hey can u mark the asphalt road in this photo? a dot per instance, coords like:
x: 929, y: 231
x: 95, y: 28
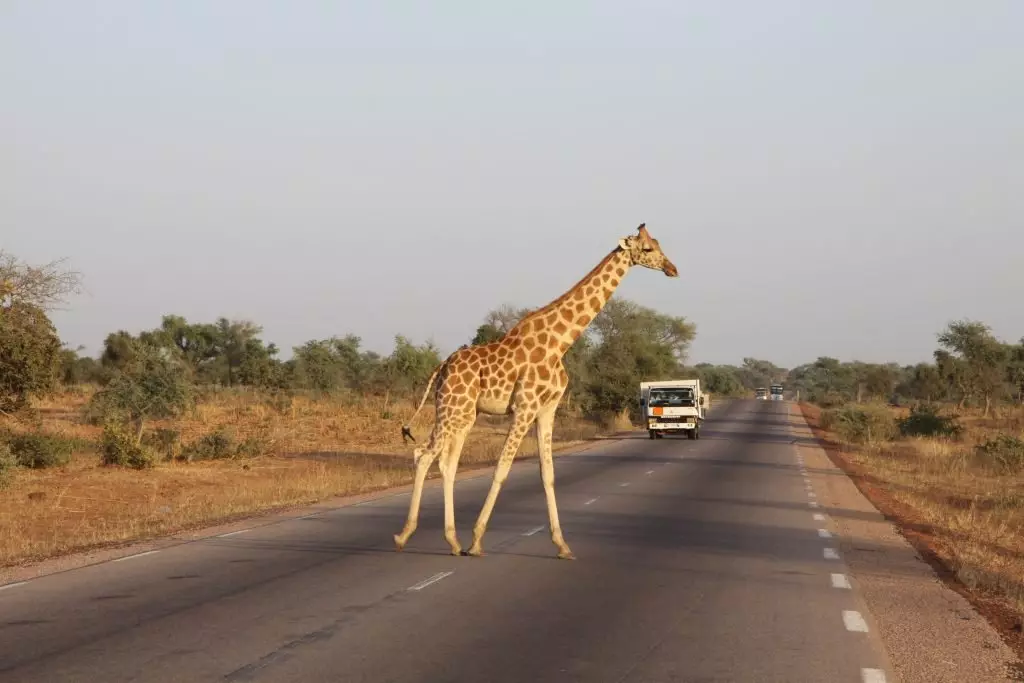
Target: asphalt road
x: 697, y: 561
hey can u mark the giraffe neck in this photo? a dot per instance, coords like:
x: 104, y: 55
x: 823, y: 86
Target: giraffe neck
x: 568, y: 316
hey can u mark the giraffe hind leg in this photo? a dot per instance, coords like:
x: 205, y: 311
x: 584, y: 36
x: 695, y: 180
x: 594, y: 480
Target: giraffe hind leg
x: 424, y: 458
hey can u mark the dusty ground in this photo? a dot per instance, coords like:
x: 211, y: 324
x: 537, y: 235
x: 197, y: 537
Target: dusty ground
x: 929, y: 626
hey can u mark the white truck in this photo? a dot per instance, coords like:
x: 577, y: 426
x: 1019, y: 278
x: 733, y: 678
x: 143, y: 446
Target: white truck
x: 673, y: 405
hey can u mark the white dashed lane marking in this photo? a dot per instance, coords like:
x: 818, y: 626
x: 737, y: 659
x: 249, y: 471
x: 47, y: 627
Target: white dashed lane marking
x: 831, y: 554
x: 430, y: 581
x: 840, y: 581
x: 625, y: 483
x: 813, y: 504
x: 591, y: 501
x: 872, y: 676
x: 649, y: 472
x: 132, y: 557
x: 854, y: 621
x: 824, y: 533
x: 534, y: 530
x: 818, y: 517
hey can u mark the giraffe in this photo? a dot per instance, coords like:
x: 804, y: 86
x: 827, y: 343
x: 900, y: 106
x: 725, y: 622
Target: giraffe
x: 521, y: 375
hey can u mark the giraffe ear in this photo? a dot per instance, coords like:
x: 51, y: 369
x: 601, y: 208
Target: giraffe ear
x: 623, y: 244
x: 645, y: 237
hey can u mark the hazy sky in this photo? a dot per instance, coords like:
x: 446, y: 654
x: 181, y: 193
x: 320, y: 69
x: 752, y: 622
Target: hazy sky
x: 830, y: 178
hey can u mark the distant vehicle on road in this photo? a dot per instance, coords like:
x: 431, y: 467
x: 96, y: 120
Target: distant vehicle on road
x: 776, y: 392
x: 761, y: 393
x: 673, y: 405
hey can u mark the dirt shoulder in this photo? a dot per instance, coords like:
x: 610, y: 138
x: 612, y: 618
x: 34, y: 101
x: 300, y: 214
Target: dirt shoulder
x: 927, y: 623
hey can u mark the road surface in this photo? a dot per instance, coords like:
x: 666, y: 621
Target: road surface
x: 697, y: 561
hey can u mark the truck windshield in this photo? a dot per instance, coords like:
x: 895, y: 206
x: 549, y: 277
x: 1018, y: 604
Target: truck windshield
x: 776, y: 390
x: 671, y: 397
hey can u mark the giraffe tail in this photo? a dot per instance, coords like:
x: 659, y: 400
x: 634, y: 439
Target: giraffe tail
x: 406, y: 431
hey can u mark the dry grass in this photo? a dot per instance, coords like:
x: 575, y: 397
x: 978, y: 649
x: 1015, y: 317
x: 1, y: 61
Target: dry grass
x: 971, y: 514
x: 321, y: 448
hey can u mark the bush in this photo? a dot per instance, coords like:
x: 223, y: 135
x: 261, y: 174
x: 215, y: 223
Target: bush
x: 166, y: 442
x: 861, y: 424
x: 217, y: 445
x: 925, y: 420
x: 119, y: 447
x: 7, y: 464
x: 1005, y: 452
x: 39, y: 450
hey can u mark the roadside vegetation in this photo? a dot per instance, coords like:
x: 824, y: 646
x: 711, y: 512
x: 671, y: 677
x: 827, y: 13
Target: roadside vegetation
x: 939, y: 448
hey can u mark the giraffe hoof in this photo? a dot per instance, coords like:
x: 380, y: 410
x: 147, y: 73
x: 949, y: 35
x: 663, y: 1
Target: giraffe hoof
x: 475, y: 552
x: 566, y: 555
x: 399, y: 544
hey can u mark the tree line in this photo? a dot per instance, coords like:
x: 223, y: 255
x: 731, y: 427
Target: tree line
x: 627, y: 343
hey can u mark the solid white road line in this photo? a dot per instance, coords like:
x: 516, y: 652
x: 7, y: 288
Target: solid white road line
x: 534, y: 530
x: 824, y: 533
x: 872, y: 676
x: 132, y: 557
x: 854, y: 621
x: 592, y: 500
x: 428, y: 582
x: 13, y: 585
x: 831, y: 554
x: 234, y: 533
x: 840, y: 581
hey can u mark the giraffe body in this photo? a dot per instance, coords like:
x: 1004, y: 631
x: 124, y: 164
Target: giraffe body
x: 521, y: 375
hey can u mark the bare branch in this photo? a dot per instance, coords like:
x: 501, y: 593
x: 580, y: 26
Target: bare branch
x: 44, y: 286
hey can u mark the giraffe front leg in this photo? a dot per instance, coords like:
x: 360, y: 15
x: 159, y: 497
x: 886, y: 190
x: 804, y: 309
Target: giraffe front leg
x: 545, y: 428
x: 508, y: 452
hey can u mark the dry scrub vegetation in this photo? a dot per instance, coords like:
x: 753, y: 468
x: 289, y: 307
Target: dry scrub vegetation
x: 958, y: 481
x: 297, y: 450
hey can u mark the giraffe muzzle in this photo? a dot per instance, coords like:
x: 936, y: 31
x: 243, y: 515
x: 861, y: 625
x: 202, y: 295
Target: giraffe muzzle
x: 670, y: 269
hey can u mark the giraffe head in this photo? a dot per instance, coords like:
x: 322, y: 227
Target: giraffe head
x: 645, y: 251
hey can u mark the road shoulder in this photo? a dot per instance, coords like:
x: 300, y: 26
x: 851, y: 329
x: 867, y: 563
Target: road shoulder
x: 931, y: 633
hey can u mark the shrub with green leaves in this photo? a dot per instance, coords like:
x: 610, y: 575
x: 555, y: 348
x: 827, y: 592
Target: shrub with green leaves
x: 1004, y: 452
x: 40, y: 450
x: 861, y: 423
x: 7, y: 465
x: 119, y: 447
x: 151, y: 384
x: 926, y: 420
x: 166, y: 442
x: 217, y: 445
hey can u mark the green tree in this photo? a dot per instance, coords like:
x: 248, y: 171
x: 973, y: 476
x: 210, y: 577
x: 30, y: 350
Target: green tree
x: 152, y: 384
x: 983, y: 358
x: 29, y: 355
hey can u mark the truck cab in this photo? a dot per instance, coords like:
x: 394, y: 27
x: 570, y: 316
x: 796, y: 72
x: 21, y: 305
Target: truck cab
x: 761, y: 393
x: 673, y: 406
x: 776, y: 392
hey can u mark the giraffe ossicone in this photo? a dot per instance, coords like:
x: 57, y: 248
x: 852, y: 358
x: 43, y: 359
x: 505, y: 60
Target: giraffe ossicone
x: 521, y: 375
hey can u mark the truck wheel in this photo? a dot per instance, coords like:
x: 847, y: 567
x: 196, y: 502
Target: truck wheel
x: 660, y: 435
x: 651, y: 432
x: 696, y: 433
